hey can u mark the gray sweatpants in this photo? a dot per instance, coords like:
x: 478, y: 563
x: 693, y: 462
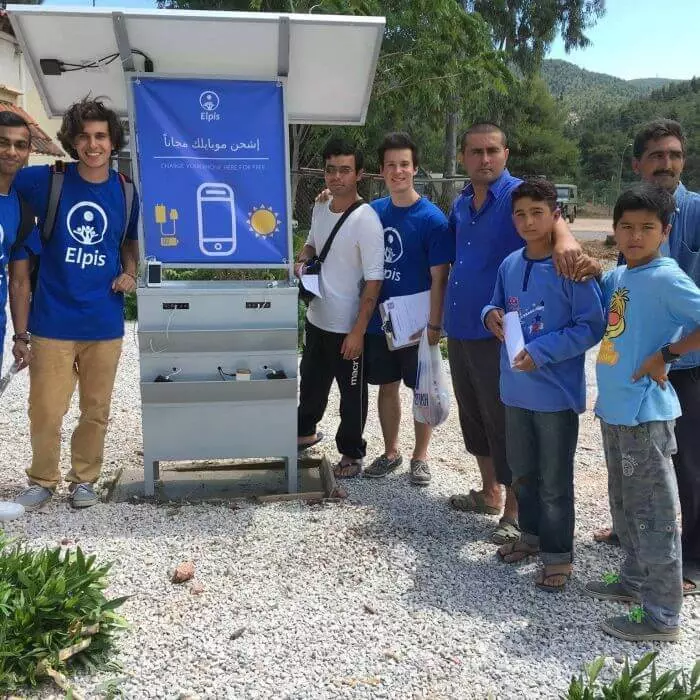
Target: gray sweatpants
x: 643, y: 496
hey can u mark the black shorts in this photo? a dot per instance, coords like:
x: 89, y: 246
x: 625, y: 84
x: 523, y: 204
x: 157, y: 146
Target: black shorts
x: 384, y: 366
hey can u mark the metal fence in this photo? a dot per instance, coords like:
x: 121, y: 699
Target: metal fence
x: 306, y: 184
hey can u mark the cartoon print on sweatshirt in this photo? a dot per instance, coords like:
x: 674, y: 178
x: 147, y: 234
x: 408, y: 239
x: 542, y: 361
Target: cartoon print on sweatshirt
x: 531, y: 319
x: 616, y: 326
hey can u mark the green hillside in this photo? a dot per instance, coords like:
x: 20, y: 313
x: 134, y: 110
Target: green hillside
x: 604, y: 137
x: 583, y: 91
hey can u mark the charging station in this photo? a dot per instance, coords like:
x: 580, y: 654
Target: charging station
x: 209, y: 97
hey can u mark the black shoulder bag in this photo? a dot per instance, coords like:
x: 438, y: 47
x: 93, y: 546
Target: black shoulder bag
x: 313, y: 265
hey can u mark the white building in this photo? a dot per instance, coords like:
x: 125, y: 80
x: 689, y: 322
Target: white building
x: 18, y: 94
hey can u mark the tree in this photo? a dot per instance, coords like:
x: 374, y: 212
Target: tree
x: 436, y: 59
x: 525, y: 29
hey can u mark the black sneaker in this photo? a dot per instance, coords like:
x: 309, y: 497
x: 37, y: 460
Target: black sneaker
x: 636, y: 627
x: 610, y: 588
x: 383, y: 466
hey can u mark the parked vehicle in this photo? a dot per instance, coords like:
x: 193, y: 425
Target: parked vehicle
x: 567, y: 201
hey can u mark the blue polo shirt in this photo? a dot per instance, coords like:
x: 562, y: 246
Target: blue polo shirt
x: 483, y: 240
x: 684, y: 247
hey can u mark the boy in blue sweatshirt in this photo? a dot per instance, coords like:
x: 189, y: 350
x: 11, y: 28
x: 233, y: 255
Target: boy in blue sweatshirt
x: 649, y: 301
x: 545, y: 389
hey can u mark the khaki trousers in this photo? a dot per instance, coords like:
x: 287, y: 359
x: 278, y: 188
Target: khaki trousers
x: 55, y: 367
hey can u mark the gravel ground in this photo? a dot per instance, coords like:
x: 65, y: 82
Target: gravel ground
x: 387, y: 595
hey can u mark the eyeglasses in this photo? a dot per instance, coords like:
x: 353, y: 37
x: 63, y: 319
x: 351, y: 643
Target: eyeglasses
x: 335, y: 170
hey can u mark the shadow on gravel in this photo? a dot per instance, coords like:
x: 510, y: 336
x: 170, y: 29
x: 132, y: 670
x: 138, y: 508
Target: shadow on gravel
x: 457, y: 571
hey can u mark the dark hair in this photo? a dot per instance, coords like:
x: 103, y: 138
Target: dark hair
x: 645, y: 196
x: 537, y: 189
x: 482, y: 128
x: 88, y: 110
x: 655, y: 130
x: 397, y: 140
x: 12, y: 119
x: 343, y: 147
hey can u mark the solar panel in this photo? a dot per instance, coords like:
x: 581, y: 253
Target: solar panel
x: 329, y: 61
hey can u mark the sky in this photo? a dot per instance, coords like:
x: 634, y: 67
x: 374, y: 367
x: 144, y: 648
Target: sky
x: 642, y: 39
x: 634, y: 39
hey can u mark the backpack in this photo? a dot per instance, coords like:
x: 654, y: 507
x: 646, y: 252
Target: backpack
x: 28, y: 218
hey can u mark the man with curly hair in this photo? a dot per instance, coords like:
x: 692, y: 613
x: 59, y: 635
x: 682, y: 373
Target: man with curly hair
x: 75, y: 322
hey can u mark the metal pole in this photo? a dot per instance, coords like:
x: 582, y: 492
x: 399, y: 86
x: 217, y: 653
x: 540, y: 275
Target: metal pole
x: 619, y: 173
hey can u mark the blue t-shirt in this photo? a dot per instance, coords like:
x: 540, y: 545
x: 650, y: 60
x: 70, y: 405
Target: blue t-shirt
x: 415, y: 239
x: 647, y: 307
x: 10, y: 214
x: 560, y: 320
x: 73, y: 299
x: 483, y: 239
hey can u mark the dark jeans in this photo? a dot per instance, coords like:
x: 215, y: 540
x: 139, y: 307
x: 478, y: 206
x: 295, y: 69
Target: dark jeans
x: 541, y: 448
x: 686, y: 461
x: 321, y: 363
x: 643, y: 491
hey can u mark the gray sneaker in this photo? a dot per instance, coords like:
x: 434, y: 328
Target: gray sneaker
x: 82, y: 495
x: 383, y: 466
x: 636, y: 627
x: 420, y: 473
x: 34, y: 497
x: 612, y: 590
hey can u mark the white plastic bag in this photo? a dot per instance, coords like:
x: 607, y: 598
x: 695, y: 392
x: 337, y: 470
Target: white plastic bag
x: 431, y: 399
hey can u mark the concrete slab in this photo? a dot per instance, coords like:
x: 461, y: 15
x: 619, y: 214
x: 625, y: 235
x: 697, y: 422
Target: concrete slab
x: 221, y: 481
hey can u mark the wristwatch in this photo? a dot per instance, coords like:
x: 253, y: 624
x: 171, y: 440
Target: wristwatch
x: 669, y: 357
x: 26, y: 336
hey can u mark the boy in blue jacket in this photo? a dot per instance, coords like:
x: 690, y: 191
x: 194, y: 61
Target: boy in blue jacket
x: 649, y: 300
x: 544, y: 390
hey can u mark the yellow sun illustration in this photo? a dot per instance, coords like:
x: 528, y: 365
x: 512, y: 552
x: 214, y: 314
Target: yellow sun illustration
x: 263, y: 221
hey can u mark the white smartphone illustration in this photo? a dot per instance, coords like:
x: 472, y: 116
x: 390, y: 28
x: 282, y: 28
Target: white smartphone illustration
x: 216, y: 219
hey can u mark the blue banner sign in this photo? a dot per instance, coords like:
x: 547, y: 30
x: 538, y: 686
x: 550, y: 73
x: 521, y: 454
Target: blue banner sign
x: 212, y: 168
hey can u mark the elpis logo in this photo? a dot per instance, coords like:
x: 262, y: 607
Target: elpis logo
x: 209, y: 102
x: 87, y: 224
x: 393, y: 251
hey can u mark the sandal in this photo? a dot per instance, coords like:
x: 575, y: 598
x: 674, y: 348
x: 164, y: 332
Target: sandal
x: 348, y: 470
x: 691, y: 584
x: 514, y: 552
x: 301, y: 446
x: 554, y: 577
x: 507, y: 531
x: 472, y: 502
x: 606, y: 536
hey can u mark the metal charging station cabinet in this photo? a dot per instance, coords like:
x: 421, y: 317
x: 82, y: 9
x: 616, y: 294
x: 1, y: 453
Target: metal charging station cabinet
x: 197, y: 328
x: 209, y: 330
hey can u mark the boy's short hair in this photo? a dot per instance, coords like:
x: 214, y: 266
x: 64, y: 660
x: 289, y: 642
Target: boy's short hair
x: 655, y: 130
x: 482, y: 128
x: 14, y: 120
x: 537, y: 189
x: 397, y: 140
x: 645, y: 196
x: 343, y: 147
x: 88, y: 110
